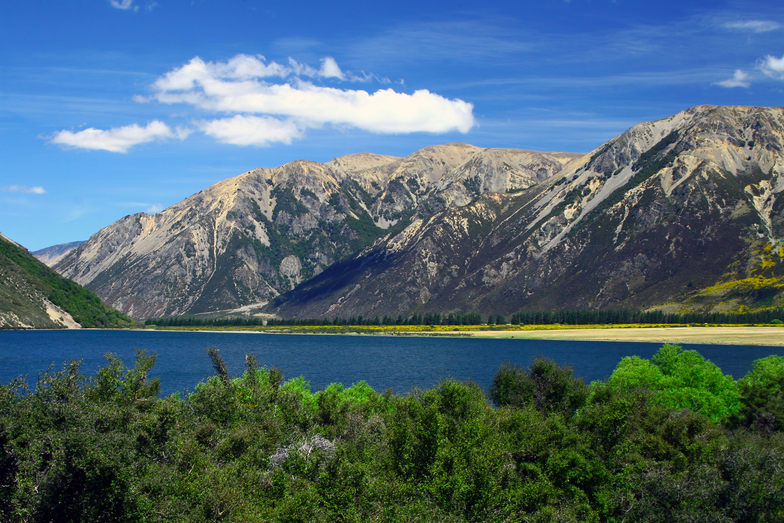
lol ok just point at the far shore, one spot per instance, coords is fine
(695, 335)
(771, 335)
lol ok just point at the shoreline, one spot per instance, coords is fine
(768, 335)
(763, 336)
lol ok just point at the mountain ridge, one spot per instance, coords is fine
(701, 184)
(663, 212)
(53, 254)
(246, 239)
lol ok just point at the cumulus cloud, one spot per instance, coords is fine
(117, 139)
(264, 102)
(23, 189)
(154, 208)
(251, 130)
(773, 66)
(739, 79)
(238, 86)
(754, 26)
(241, 68)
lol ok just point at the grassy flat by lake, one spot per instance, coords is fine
(698, 335)
(713, 334)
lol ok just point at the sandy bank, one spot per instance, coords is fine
(698, 335)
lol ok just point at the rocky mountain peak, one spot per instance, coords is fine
(246, 239)
(671, 211)
(360, 162)
(456, 225)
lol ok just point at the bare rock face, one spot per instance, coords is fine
(247, 239)
(684, 213)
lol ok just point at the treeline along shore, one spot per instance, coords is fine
(666, 439)
(574, 317)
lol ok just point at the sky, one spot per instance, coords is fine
(114, 107)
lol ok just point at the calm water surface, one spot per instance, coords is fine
(384, 362)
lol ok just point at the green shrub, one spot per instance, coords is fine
(681, 379)
(550, 387)
(762, 395)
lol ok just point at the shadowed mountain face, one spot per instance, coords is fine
(683, 213)
(245, 240)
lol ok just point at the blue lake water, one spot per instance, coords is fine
(400, 363)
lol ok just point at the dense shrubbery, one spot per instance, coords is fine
(667, 439)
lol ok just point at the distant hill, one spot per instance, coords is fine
(34, 296)
(51, 255)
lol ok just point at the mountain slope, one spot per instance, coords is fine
(34, 296)
(683, 213)
(247, 239)
(51, 255)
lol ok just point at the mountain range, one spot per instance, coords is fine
(678, 214)
(247, 239)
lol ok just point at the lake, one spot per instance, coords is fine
(396, 362)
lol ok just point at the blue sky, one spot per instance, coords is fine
(112, 107)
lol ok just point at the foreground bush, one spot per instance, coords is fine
(651, 444)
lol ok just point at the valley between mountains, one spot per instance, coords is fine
(680, 214)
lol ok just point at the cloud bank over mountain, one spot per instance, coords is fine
(264, 111)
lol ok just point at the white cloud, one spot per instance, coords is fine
(371, 77)
(23, 189)
(267, 102)
(330, 69)
(236, 86)
(251, 130)
(754, 26)
(182, 132)
(117, 139)
(124, 5)
(739, 79)
(241, 67)
(154, 208)
(773, 66)
(298, 69)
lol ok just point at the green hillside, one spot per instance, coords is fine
(25, 284)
